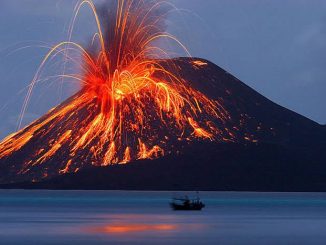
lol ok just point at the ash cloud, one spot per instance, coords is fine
(148, 15)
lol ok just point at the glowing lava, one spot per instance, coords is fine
(131, 106)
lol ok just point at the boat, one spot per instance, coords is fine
(187, 204)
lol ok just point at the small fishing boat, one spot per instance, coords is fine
(186, 204)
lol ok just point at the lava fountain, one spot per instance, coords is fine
(131, 104)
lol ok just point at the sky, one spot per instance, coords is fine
(277, 47)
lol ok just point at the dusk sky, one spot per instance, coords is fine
(278, 47)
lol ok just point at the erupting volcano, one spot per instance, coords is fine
(136, 103)
(132, 104)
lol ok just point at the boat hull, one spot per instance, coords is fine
(196, 207)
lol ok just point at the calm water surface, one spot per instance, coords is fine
(125, 217)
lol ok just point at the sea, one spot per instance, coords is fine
(145, 217)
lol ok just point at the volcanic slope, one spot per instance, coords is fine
(257, 129)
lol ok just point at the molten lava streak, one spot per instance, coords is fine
(131, 106)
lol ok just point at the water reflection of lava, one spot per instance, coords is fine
(120, 224)
(127, 228)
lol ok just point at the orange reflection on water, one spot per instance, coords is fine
(126, 228)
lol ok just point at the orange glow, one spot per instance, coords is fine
(66, 169)
(56, 146)
(199, 131)
(199, 63)
(127, 228)
(126, 157)
(131, 106)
